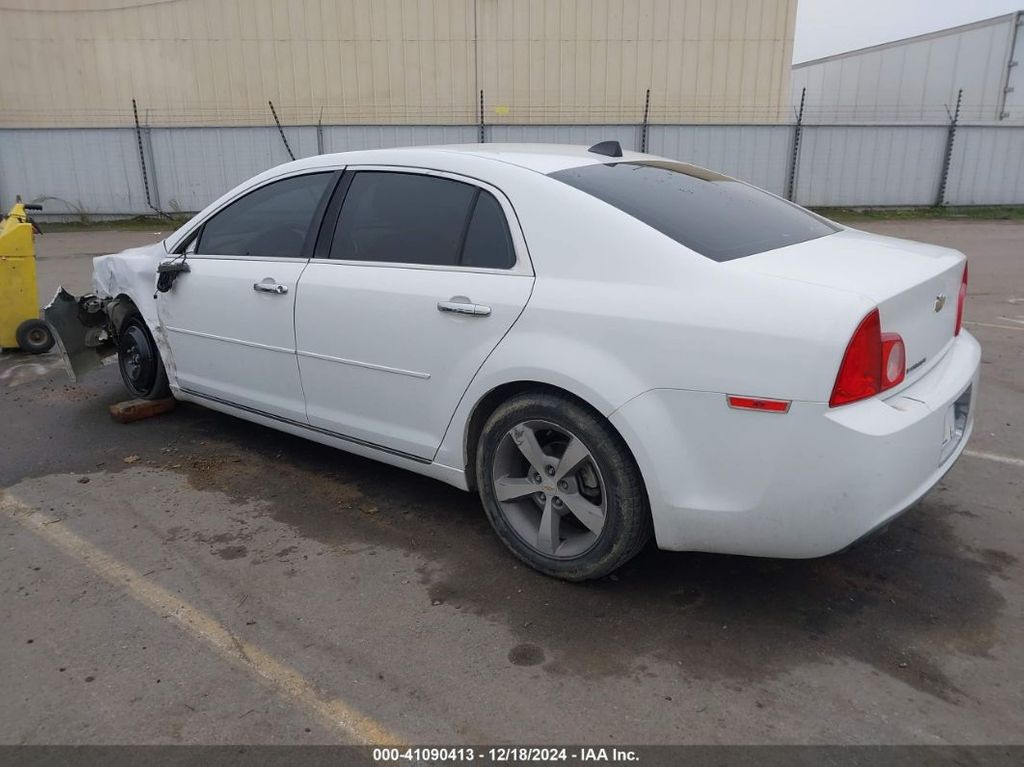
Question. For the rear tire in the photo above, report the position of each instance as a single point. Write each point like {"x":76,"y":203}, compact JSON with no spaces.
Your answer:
{"x":561,"y":488}
{"x":139,"y":361}
{"x":34,"y":336}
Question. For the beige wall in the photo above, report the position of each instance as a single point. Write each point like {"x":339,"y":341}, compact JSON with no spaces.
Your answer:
{"x":218,"y":62}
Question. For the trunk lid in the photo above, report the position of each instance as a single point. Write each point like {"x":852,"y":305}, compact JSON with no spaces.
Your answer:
{"x":913,"y":284}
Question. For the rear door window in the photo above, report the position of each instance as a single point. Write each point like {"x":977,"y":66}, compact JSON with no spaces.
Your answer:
{"x":414,"y":218}
{"x":402,"y":218}
{"x":714,"y":215}
{"x":488,"y":242}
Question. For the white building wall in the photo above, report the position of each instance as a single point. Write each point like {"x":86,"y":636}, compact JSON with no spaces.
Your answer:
{"x":917,"y":79}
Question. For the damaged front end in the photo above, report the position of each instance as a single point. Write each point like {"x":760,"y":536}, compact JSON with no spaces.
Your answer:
{"x":85,"y":329}
{"x":124,"y":284}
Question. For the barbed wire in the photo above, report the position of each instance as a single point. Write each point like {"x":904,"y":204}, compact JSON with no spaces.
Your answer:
{"x":513,"y":113}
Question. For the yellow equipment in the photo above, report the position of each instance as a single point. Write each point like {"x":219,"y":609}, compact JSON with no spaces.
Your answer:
{"x":19,"y":300}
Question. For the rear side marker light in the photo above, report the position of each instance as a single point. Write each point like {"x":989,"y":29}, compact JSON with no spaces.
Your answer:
{"x":960,"y":301}
{"x":759,"y":403}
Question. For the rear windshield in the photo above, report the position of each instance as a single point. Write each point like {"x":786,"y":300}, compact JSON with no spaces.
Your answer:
{"x":714,"y":215}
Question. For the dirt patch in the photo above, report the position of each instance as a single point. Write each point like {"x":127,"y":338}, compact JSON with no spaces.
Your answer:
{"x":526,"y":654}
{"x":64,"y":394}
{"x":232,"y":552}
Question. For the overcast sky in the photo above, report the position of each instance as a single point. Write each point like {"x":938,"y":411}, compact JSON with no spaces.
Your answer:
{"x":824,"y":27}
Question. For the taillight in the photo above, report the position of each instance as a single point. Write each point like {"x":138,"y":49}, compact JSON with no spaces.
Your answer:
{"x":860,"y":374}
{"x":960,"y":300}
{"x":874,"y":361}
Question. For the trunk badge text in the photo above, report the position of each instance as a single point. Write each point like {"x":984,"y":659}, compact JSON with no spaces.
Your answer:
{"x":940,"y":301}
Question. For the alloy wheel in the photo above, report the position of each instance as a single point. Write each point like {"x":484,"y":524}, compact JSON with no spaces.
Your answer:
{"x":550,"y":489}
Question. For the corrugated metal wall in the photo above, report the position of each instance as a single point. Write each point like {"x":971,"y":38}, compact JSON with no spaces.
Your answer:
{"x":98,"y":172}
{"x":918,"y":79}
{"x":73,"y":171}
{"x":190,"y":164}
{"x":755,"y":153}
{"x":890,"y":165}
{"x":587,"y":135}
{"x":347,"y":138}
{"x":218,"y":62}
{"x":591,"y":61}
{"x":987,"y":166}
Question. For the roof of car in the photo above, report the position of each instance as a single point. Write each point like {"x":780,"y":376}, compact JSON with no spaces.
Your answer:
{"x":542,"y":158}
{"x":490,"y":162}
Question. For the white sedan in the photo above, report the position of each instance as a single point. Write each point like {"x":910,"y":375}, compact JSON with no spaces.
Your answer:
{"x":605,"y":345}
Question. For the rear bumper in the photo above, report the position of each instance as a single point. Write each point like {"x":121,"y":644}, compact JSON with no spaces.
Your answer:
{"x":803,"y":484}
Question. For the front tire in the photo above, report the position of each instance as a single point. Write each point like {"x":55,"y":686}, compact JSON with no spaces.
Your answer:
{"x":560,"y":487}
{"x":142,"y":370}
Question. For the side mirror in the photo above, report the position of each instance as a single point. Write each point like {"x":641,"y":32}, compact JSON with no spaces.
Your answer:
{"x":168,"y":271}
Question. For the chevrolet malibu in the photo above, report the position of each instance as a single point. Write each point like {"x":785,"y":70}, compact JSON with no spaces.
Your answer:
{"x":605,"y":345}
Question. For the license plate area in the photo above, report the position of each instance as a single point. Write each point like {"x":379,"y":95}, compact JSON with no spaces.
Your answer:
{"x":955,"y":423}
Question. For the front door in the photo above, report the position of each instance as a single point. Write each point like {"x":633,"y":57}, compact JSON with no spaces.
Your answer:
{"x":419,"y":279}
{"x":229,"y":320}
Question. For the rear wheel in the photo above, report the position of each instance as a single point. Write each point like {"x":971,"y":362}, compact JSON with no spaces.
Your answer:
{"x":561,"y":488}
{"x":142,"y":370}
{"x":34,"y":336}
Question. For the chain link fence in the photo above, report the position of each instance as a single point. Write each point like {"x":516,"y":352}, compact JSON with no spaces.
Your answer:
{"x":122,"y":171}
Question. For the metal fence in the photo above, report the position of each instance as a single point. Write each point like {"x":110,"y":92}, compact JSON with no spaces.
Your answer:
{"x":99,"y":171}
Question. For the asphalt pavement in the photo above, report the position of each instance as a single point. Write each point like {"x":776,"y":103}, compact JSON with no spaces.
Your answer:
{"x":194,"y":578}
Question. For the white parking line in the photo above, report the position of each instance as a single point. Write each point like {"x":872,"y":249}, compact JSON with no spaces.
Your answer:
{"x":995,"y":457}
{"x":990,"y":325}
{"x":286,"y":680}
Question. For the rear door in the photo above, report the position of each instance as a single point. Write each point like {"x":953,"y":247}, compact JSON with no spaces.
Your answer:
{"x":229,"y":319}
{"x":417,"y":277}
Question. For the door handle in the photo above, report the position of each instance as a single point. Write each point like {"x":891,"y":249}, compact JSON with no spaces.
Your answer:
{"x":269,"y":286}
{"x":462,"y":305}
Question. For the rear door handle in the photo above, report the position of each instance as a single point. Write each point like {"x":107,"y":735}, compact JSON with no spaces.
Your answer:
{"x":267,"y":285}
{"x":462,"y":305}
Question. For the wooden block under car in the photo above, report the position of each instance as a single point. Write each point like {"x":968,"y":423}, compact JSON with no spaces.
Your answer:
{"x":137,"y":409}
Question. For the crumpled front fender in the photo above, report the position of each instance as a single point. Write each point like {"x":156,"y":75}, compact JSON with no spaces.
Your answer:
{"x":81,"y":328}
{"x":86,"y":327}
